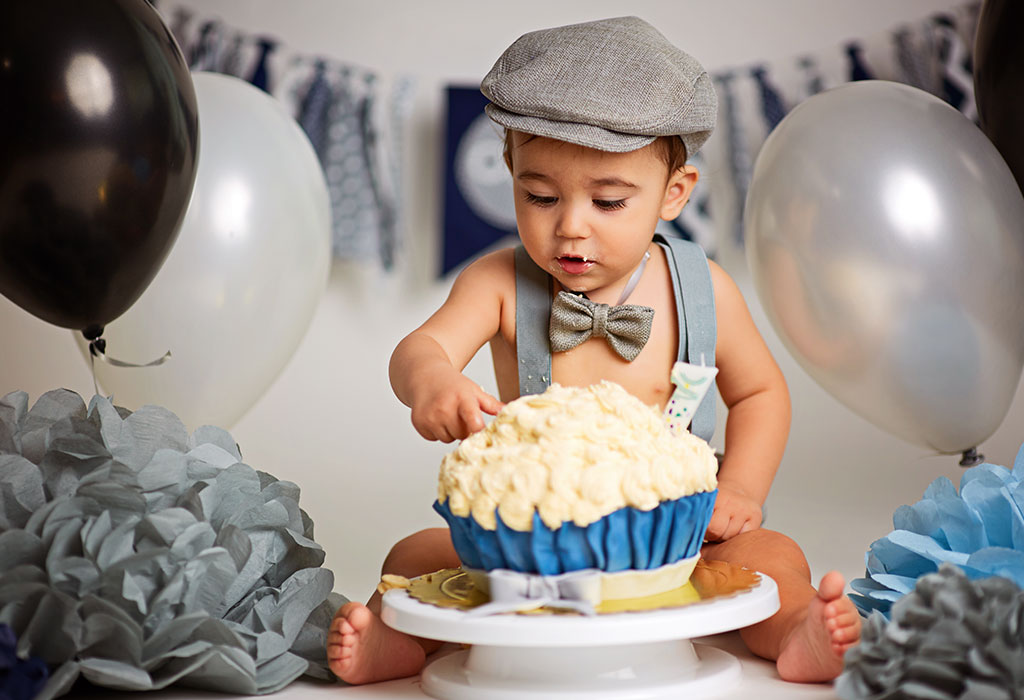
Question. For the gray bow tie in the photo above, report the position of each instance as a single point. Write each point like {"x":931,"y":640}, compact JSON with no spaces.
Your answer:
{"x":575,"y":319}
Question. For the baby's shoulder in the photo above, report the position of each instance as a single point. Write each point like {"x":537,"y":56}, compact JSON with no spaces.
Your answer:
{"x":493,"y":271}
{"x":724,"y":286}
{"x":497,"y":260}
{"x":731,"y":308}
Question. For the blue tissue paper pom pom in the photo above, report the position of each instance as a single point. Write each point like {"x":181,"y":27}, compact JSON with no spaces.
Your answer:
{"x":980,"y":529}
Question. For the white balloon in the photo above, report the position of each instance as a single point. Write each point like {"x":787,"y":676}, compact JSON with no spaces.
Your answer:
{"x":886,"y":241}
{"x":240,"y":286}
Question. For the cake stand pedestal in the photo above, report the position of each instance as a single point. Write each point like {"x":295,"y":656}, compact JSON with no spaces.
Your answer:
{"x":620,"y":656}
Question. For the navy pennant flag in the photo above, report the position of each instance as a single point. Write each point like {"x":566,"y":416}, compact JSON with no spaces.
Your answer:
{"x":478,"y":207}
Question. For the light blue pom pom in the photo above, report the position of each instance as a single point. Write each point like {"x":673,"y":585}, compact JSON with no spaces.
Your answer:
{"x":978,"y":527}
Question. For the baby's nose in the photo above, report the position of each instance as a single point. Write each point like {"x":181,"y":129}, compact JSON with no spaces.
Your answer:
{"x":573,"y":223}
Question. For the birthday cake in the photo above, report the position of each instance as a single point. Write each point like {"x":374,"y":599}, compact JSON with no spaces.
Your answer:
{"x":578,"y":478}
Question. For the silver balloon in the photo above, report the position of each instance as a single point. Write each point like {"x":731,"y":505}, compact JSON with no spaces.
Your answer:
{"x":239,"y":289}
{"x":886,"y":241}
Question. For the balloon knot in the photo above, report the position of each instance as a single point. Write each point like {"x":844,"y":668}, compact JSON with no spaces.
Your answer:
{"x":93,"y":332}
{"x":971,"y":457}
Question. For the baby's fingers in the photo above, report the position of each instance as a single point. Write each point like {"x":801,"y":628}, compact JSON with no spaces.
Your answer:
{"x":469,"y":411}
{"x":489,"y":404}
{"x":752,"y":522}
{"x":432,"y":431}
{"x":747,"y":527}
{"x":736,"y":526}
{"x":434,"y":421}
{"x":717,"y":527}
{"x":469,"y":417}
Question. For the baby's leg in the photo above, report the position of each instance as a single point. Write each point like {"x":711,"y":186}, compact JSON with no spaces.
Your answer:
{"x":360,"y":647}
{"x":812,"y":630}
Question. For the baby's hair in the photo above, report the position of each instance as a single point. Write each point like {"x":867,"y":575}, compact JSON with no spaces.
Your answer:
{"x":670,"y":149}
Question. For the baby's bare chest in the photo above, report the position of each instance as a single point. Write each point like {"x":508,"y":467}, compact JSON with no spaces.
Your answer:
{"x":646,"y":377}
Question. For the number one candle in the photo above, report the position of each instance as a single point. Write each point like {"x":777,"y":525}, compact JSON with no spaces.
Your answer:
{"x":692,"y":383}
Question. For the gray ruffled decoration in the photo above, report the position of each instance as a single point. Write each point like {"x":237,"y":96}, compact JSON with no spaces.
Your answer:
{"x":949,"y":639}
{"x":138,"y":556}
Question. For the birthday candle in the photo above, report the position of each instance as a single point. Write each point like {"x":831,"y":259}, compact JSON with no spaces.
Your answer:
{"x":692,"y":383}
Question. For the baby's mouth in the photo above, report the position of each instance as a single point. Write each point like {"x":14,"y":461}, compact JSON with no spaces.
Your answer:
{"x":574,"y":264}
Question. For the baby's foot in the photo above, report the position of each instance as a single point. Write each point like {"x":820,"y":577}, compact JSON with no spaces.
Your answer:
{"x":362,"y":649}
{"x":813,"y":652}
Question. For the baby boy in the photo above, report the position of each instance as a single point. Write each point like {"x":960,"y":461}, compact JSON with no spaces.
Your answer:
{"x":600,"y":119}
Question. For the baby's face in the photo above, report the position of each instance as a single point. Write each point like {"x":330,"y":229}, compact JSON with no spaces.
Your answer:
{"x":587,"y":216}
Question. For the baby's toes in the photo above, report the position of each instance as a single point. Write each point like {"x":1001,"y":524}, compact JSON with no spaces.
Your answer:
{"x":845,"y":628}
{"x":349,"y":640}
{"x":845,"y":635}
{"x":837,"y":617}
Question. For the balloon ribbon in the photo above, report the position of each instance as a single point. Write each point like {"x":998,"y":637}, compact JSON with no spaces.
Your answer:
{"x":98,"y":348}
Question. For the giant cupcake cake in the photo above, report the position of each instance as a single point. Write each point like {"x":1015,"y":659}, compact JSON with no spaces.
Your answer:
{"x":578,"y":478}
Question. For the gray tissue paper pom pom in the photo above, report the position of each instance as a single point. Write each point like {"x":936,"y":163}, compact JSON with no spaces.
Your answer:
{"x":949,"y":639}
{"x":139,"y":556}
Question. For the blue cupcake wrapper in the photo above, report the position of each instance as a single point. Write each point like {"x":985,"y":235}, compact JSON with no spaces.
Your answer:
{"x":625,"y":539}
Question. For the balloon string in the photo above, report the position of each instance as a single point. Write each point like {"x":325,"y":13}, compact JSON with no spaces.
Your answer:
{"x":98,"y":348}
{"x":92,"y":369}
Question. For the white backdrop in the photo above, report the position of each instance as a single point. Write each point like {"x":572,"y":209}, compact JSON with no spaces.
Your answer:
{"x":330,"y":422}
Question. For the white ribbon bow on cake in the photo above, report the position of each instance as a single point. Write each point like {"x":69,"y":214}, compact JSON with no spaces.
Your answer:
{"x":514,"y":591}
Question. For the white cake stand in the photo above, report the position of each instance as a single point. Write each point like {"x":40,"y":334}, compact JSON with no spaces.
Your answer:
{"x":620,"y":656}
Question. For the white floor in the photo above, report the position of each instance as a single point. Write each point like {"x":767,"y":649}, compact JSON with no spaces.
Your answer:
{"x":759,"y":680}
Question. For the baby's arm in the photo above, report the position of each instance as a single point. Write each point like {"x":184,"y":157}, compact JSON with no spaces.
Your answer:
{"x":426,"y":367}
{"x":757,"y":427}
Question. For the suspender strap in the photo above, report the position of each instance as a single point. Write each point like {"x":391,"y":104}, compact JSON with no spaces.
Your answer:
{"x":533,"y":313}
{"x":695,"y":309}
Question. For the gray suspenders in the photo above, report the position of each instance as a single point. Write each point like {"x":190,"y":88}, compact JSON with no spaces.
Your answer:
{"x":533,"y":311}
{"x":695,"y":309}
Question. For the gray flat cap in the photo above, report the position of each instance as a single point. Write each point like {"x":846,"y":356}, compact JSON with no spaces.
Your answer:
{"x":614,"y":85}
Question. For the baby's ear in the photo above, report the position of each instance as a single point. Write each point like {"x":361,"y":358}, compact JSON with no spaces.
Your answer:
{"x":677,"y":191}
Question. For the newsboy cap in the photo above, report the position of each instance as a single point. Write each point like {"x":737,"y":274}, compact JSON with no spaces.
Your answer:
{"x":613,"y":84}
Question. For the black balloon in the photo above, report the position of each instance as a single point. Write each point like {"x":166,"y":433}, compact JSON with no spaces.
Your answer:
{"x":999,"y":79}
{"x":98,"y":146}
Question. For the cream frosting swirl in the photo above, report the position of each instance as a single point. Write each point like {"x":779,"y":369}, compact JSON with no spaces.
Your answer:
{"x":574,"y":454}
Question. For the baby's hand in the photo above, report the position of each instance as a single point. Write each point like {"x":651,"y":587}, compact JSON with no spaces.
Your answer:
{"x":735,"y":512}
{"x":448,"y":407}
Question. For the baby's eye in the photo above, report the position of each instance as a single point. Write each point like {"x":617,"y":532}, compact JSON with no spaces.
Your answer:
{"x":609,"y":204}
{"x":540,"y":201}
